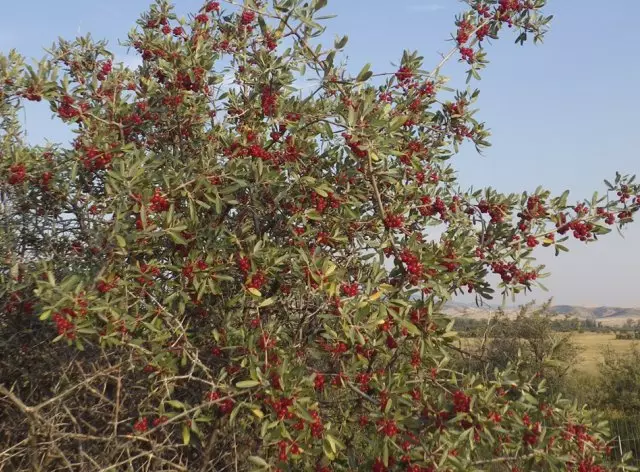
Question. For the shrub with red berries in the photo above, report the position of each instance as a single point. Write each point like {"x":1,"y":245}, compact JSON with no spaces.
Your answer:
{"x":244,"y":276}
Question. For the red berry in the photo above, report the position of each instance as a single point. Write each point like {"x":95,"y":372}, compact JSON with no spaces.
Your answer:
{"x":247,"y":17}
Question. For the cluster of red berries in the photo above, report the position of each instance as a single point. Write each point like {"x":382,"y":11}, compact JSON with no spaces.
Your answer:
{"x":17,"y":303}
{"x":340,"y":380}
{"x":45,"y":179}
{"x":461,"y":402}
{"x":281,"y":407}
{"x":105,"y":69}
{"x":363,"y":379}
{"x":172,"y":101}
{"x":350,"y":290}
{"x":255,"y":150}
{"x":270,"y":42}
{"x":243,"y":264}
{"x":355,"y":146}
{"x":202,"y":18}
{"x":385,"y":97}
{"x":247,"y":17}
{"x":103,"y":286}
{"x":257,"y":280}
{"x":586,"y":465}
{"x":416,"y":359}
{"x":378,"y":465}
{"x":160,"y":420}
{"x":392,"y":221}
{"x":532,"y":435}
{"x":276,"y":135}
{"x":580,"y":229}
{"x":511,"y":6}
{"x":193,"y":82}
{"x":578,"y":433}
{"x":158,"y":202}
{"x":609,"y":217}
{"x":417,"y":468}
{"x":225,"y":406}
{"x":391,"y":342}
{"x":289,"y":154}
{"x":319,"y":381}
{"x":141,"y":425}
{"x":147,"y":271}
{"x":509,"y":272}
{"x":457,"y":108}
{"x":317,"y":428}
{"x":404,"y":75}
{"x":292,"y":448}
{"x":18,"y":174}
{"x":188,"y":270}
{"x":388,"y":428}
{"x":412,"y":263}
{"x":413,"y":147}
{"x":94,"y":159}
{"x":32,"y":94}
{"x":266,"y":342}
{"x":320,"y":203}
{"x":269,"y":100}
{"x":535,"y":209}
{"x":624,"y":193}
{"x":464,"y":32}
{"x":212,"y":6}
{"x":323,"y":238}
{"x":177,"y":31}
{"x":64,"y":326}
{"x":482,"y":32}
{"x":66,"y":109}
{"x":467,"y":54}
{"x":496,"y":212}
{"x":430,"y":207}
{"x":364,"y":351}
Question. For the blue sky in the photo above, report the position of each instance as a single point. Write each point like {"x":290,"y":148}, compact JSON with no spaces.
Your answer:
{"x":563,"y":114}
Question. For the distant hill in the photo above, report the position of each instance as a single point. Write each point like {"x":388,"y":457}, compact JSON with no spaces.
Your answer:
{"x":605,"y":314}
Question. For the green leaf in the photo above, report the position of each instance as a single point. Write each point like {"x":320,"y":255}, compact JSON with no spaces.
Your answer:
{"x":385,"y":453}
{"x":304,"y":414}
{"x":259,"y":461}
{"x":186,"y":434}
{"x":267,"y":302}
{"x":397,"y":122}
{"x":247,"y":384}
{"x":365,"y":73}
{"x":176,"y":404}
{"x":177,"y":238}
{"x":342,"y":42}
{"x":121,"y":241}
{"x":332,"y":443}
{"x":319,"y":4}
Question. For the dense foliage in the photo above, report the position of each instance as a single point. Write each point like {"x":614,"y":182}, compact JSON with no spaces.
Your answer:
{"x":528,"y":342}
{"x":253,"y":274}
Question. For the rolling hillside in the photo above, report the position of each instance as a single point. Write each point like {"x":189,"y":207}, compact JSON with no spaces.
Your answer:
{"x":612,"y":316}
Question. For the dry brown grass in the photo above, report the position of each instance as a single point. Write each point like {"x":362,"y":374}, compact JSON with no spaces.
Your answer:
{"x":592,"y":346}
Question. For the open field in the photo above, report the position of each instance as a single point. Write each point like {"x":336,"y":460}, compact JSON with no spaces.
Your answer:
{"x":591,"y":346}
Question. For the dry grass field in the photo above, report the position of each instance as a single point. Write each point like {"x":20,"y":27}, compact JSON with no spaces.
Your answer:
{"x":593,"y":344}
